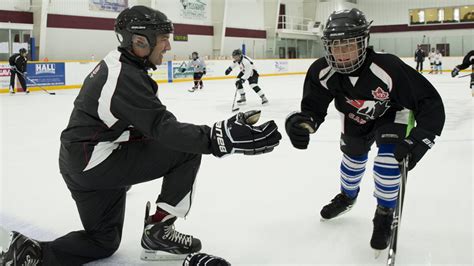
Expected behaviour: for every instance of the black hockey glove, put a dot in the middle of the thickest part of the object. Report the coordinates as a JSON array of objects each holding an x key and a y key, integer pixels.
[
  {"x": 414, "y": 146},
  {"x": 298, "y": 127},
  {"x": 240, "y": 83},
  {"x": 228, "y": 70},
  {"x": 204, "y": 72},
  {"x": 455, "y": 72},
  {"x": 203, "y": 259},
  {"x": 238, "y": 135},
  {"x": 183, "y": 70}
]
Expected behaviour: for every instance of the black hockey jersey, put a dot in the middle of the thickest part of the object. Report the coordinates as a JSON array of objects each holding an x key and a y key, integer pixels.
[
  {"x": 18, "y": 61},
  {"x": 383, "y": 84},
  {"x": 467, "y": 61},
  {"x": 118, "y": 103}
]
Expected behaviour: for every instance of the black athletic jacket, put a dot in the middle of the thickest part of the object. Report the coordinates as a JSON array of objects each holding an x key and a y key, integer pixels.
[
  {"x": 383, "y": 84},
  {"x": 118, "y": 103},
  {"x": 18, "y": 61},
  {"x": 467, "y": 61}
]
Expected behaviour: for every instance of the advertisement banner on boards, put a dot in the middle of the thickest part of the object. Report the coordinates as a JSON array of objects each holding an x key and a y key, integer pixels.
[
  {"x": 4, "y": 75},
  {"x": 45, "y": 74}
]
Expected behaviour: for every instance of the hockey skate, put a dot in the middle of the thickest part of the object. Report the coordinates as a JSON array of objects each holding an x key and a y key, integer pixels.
[
  {"x": 192, "y": 89},
  {"x": 339, "y": 205},
  {"x": 264, "y": 100},
  {"x": 242, "y": 100},
  {"x": 11, "y": 90},
  {"x": 382, "y": 229},
  {"x": 22, "y": 251},
  {"x": 160, "y": 241}
]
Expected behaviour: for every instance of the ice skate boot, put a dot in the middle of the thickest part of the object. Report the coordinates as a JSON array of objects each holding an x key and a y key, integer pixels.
[
  {"x": 339, "y": 205},
  {"x": 160, "y": 241},
  {"x": 382, "y": 228},
  {"x": 264, "y": 100},
  {"x": 242, "y": 100},
  {"x": 22, "y": 251}
]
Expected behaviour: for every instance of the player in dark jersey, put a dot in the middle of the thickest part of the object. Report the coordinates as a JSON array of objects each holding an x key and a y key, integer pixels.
[
  {"x": 18, "y": 64},
  {"x": 120, "y": 134},
  {"x": 375, "y": 94},
  {"x": 467, "y": 61}
]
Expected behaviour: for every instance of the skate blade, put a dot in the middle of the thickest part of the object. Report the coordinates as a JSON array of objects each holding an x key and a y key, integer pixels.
[
  {"x": 377, "y": 253},
  {"x": 153, "y": 255},
  {"x": 324, "y": 219}
]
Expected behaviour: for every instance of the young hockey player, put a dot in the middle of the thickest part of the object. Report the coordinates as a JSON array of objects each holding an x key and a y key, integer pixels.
[
  {"x": 438, "y": 62},
  {"x": 120, "y": 134},
  {"x": 199, "y": 67},
  {"x": 247, "y": 73},
  {"x": 374, "y": 94},
  {"x": 431, "y": 58}
]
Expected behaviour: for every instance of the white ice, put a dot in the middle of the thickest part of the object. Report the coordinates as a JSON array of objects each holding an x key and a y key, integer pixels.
[{"x": 254, "y": 210}]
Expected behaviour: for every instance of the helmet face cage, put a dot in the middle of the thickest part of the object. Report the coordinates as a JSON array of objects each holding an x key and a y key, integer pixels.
[
  {"x": 237, "y": 54},
  {"x": 351, "y": 53}
]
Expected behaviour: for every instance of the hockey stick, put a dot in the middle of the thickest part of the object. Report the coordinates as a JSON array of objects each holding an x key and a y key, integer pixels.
[
  {"x": 36, "y": 84},
  {"x": 180, "y": 66},
  {"x": 463, "y": 76},
  {"x": 392, "y": 249},
  {"x": 235, "y": 108}
]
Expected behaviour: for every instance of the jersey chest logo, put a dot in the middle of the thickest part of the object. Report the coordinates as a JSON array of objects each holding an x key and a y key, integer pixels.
[{"x": 367, "y": 110}]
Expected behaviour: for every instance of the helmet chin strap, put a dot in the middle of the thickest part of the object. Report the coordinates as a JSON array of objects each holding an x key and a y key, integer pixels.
[{"x": 146, "y": 58}]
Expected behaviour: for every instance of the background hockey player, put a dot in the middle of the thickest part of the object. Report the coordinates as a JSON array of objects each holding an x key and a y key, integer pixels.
[
  {"x": 419, "y": 58},
  {"x": 374, "y": 94},
  {"x": 199, "y": 68},
  {"x": 247, "y": 72},
  {"x": 467, "y": 61},
  {"x": 18, "y": 63},
  {"x": 120, "y": 134},
  {"x": 438, "y": 62},
  {"x": 431, "y": 58}
]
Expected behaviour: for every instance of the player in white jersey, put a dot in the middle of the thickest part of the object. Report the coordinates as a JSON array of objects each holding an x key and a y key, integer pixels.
[
  {"x": 247, "y": 72},
  {"x": 438, "y": 58},
  {"x": 431, "y": 57},
  {"x": 199, "y": 68}
]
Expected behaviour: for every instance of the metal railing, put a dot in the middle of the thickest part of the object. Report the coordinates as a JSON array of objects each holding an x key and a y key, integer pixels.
[{"x": 298, "y": 24}]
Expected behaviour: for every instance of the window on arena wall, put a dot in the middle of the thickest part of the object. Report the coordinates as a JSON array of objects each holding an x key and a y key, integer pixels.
[
  {"x": 452, "y": 14},
  {"x": 467, "y": 13},
  {"x": 456, "y": 14},
  {"x": 440, "y": 14}
]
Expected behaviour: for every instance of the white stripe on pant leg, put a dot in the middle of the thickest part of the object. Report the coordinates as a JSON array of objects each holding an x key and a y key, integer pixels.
[{"x": 182, "y": 208}]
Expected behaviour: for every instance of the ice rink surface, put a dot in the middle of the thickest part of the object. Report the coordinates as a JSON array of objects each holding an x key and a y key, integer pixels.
[{"x": 254, "y": 210}]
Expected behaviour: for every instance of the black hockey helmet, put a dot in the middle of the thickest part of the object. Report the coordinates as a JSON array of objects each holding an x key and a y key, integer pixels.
[
  {"x": 22, "y": 51},
  {"x": 237, "y": 52},
  {"x": 194, "y": 54},
  {"x": 342, "y": 28},
  {"x": 141, "y": 20}
]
